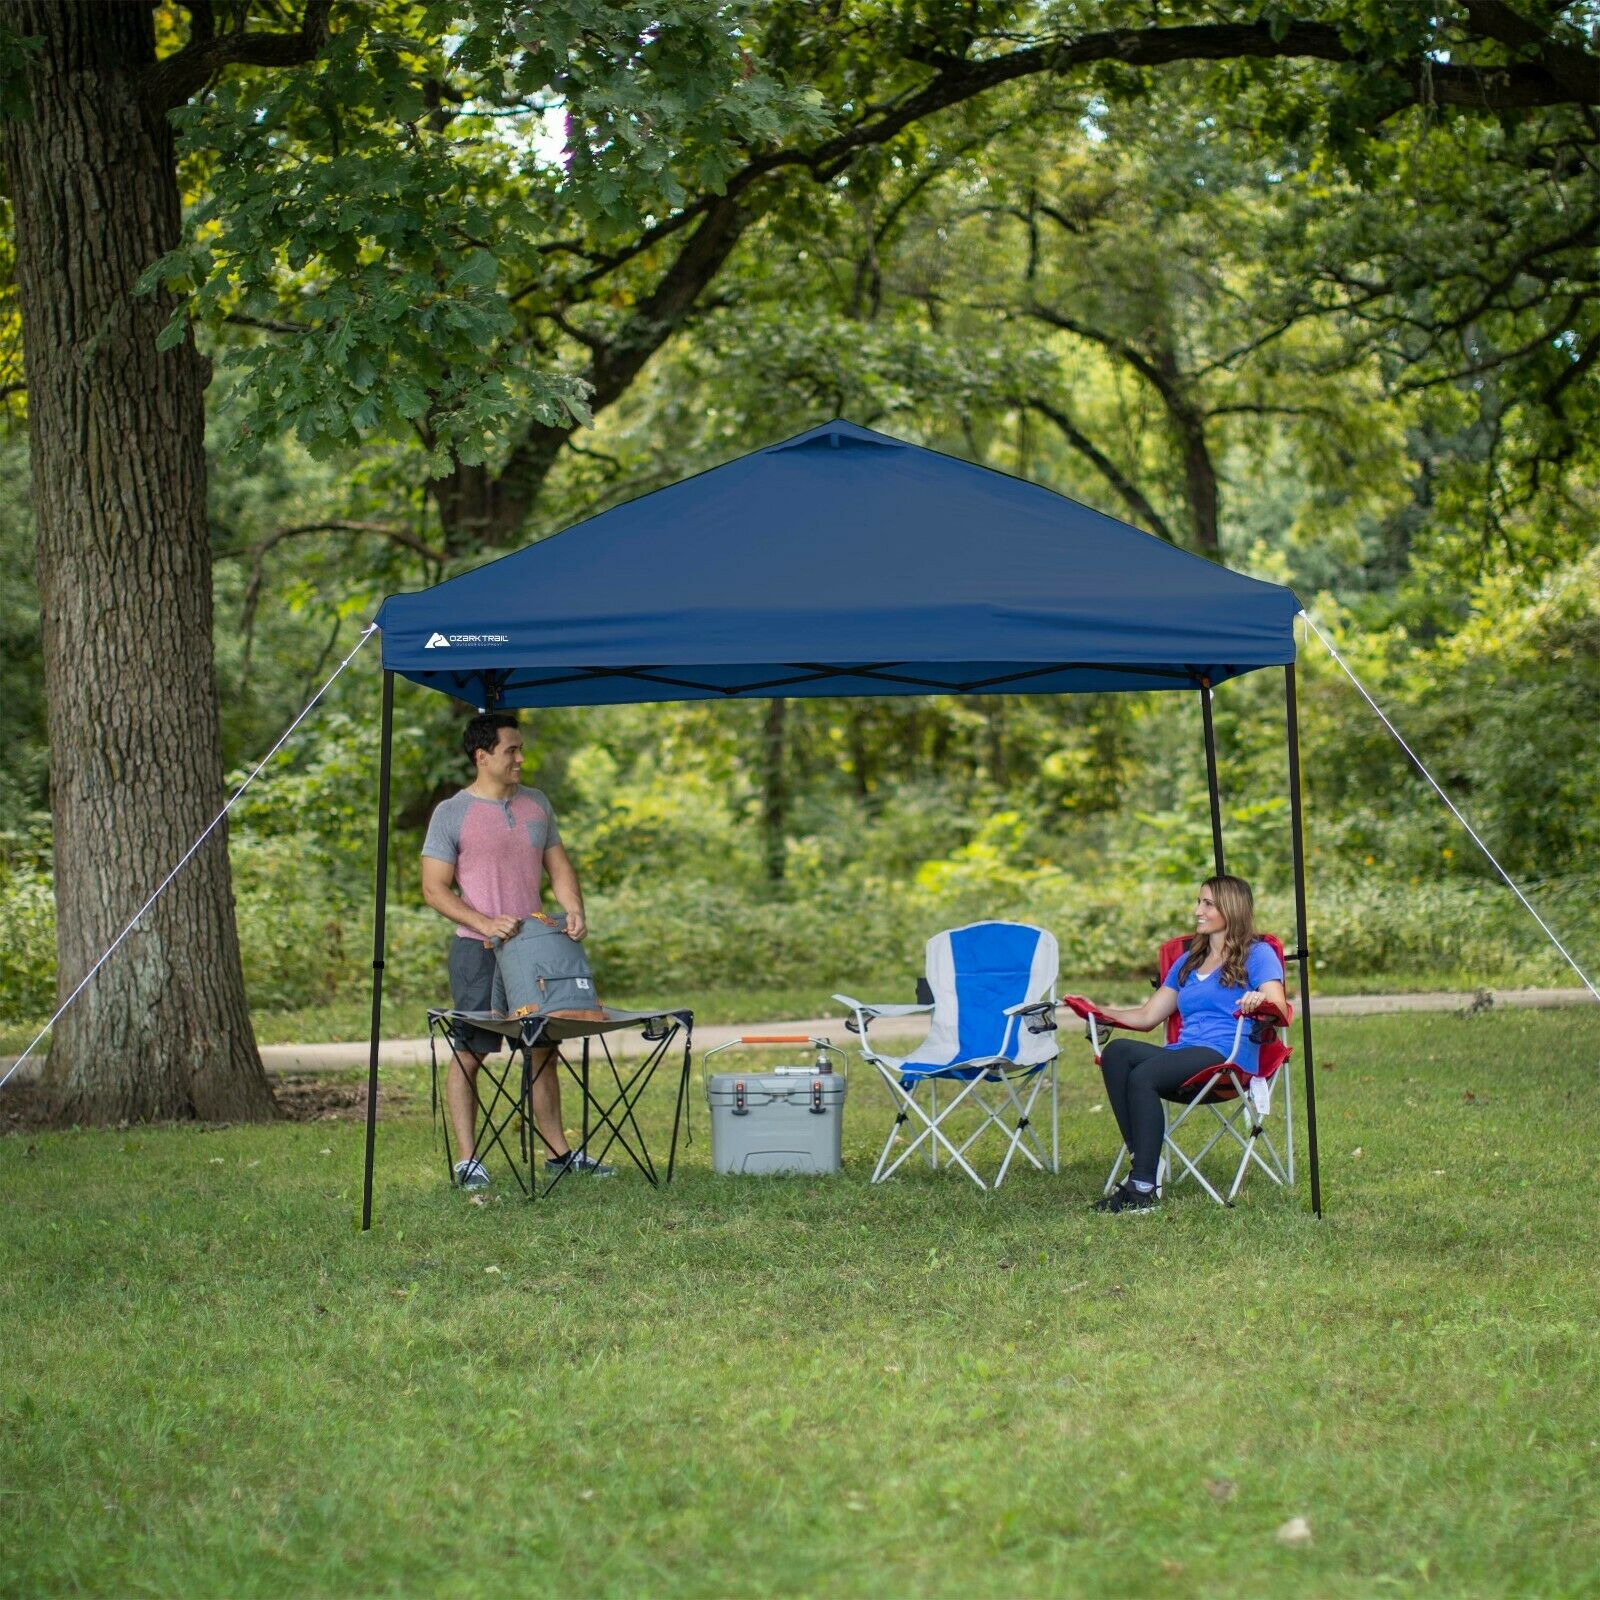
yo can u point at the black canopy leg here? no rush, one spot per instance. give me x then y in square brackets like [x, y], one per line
[381, 896]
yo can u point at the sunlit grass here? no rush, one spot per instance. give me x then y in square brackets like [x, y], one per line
[213, 1384]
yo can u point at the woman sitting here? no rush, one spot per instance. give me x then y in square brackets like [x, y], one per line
[1226, 969]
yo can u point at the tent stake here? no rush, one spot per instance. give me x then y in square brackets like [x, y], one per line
[377, 946]
[1303, 954]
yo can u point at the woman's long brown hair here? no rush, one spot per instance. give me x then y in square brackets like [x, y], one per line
[1238, 907]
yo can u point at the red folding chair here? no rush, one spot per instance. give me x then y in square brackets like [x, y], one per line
[1239, 1100]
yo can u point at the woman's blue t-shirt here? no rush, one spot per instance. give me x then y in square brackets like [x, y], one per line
[1206, 1005]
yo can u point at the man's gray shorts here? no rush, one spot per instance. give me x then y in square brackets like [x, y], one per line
[474, 986]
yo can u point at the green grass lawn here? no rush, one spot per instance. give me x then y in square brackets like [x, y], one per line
[214, 1385]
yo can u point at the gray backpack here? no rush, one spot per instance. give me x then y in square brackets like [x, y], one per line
[544, 973]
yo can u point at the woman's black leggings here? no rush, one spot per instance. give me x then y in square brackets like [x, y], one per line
[1137, 1076]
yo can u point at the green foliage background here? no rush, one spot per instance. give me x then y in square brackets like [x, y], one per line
[1264, 308]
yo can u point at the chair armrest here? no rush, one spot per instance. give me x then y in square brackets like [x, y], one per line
[866, 1014]
[1267, 1012]
[880, 1011]
[1040, 1015]
[1092, 1013]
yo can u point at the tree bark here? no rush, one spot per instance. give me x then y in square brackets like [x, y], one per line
[117, 446]
[774, 790]
[477, 510]
[1188, 421]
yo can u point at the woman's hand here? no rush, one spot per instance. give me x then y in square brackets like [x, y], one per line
[1269, 994]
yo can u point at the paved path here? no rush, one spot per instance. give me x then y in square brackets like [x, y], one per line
[288, 1058]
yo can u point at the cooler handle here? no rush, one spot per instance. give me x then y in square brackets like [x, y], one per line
[813, 1040]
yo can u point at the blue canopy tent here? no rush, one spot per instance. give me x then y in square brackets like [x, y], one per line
[842, 562]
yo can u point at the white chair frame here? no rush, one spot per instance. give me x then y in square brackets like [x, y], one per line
[1243, 1119]
[978, 1091]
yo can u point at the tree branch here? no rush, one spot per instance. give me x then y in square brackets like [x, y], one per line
[1568, 64]
[1422, 80]
[266, 324]
[1152, 373]
[502, 511]
[252, 588]
[202, 21]
[1130, 492]
[1570, 374]
[383, 530]
[592, 342]
[169, 83]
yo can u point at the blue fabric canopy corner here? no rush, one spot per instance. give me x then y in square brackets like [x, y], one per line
[838, 562]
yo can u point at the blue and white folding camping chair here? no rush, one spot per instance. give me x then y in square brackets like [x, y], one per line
[993, 990]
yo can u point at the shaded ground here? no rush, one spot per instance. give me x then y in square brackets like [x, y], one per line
[302, 1097]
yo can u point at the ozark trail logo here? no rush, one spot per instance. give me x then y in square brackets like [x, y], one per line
[442, 641]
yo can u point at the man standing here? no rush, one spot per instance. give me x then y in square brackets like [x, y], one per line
[483, 865]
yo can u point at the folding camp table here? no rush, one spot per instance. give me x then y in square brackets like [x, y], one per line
[607, 1106]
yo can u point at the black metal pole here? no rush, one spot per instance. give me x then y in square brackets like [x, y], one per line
[377, 945]
[1302, 953]
[1211, 775]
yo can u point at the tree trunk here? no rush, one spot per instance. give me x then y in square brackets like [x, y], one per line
[116, 438]
[1199, 481]
[861, 765]
[994, 723]
[774, 790]
[477, 511]
[1199, 474]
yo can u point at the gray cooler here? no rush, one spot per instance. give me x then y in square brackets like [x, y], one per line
[787, 1119]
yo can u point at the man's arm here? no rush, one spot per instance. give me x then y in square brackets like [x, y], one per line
[438, 879]
[564, 886]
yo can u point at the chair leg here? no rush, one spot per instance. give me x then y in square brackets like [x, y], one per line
[1022, 1135]
[897, 1095]
[907, 1107]
[1241, 1122]
[1190, 1170]
[1055, 1116]
[1190, 1165]
[1123, 1154]
[1273, 1168]
[1017, 1138]
[1287, 1073]
[930, 1124]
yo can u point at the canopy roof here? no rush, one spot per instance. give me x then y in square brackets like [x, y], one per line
[839, 562]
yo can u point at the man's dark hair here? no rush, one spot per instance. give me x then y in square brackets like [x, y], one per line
[482, 732]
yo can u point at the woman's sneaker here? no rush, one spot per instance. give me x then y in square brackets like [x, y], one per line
[470, 1174]
[1127, 1198]
[579, 1161]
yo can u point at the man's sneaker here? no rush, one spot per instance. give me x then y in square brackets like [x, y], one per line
[579, 1161]
[470, 1175]
[1126, 1198]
